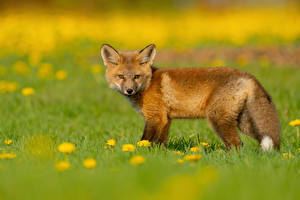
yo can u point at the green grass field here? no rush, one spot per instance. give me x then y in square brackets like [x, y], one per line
[82, 110]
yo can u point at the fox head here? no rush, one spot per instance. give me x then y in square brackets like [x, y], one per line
[128, 72]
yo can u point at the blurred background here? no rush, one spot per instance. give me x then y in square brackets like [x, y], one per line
[207, 32]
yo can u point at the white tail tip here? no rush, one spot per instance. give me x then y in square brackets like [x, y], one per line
[266, 143]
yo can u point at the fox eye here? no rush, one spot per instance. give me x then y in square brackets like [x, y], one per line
[137, 76]
[121, 76]
[142, 63]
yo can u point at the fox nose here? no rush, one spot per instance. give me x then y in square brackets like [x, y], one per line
[129, 91]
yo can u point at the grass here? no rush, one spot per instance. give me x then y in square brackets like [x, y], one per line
[84, 111]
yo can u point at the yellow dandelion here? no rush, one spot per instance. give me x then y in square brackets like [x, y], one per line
[111, 142]
[136, 160]
[128, 147]
[287, 156]
[66, 147]
[89, 163]
[11, 86]
[8, 142]
[204, 144]
[8, 87]
[295, 122]
[45, 71]
[195, 149]
[61, 75]
[3, 86]
[218, 63]
[96, 69]
[193, 157]
[21, 68]
[62, 166]
[144, 143]
[27, 91]
[180, 161]
[178, 153]
[299, 149]
[7, 155]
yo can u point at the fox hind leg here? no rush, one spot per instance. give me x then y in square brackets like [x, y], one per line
[227, 132]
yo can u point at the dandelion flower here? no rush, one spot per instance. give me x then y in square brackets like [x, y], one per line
[66, 147]
[295, 122]
[195, 149]
[193, 157]
[136, 160]
[180, 161]
[11, 86]
[62, 166]
[204, 144]
[178, 153]
[7, 155]
[61, 75]
[96, 69]
[143, 143]
[45, 71]
[128, 147]
[299, 149]
[111, 142]
[27, 91]
[89, 163]
[8, 142]
[21, 68]
[286, 156]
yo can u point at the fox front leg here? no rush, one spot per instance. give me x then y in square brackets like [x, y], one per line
[156, 132]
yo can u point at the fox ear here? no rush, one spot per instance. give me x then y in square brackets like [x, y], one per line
[109, 55]
[147, 54]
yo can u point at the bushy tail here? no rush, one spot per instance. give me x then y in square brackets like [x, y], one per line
[264, 118]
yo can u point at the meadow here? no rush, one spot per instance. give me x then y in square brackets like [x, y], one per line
[57, 111]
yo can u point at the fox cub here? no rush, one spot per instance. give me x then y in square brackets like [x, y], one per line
[226, 97]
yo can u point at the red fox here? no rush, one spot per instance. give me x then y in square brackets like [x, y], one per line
[226, 97]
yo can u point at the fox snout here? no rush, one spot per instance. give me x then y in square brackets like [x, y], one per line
[129, 89]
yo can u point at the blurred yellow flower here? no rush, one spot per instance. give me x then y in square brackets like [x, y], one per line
[218, 63]
[299, 149]
[136, 160]
[7, 155]
[204, 144]
[7, 87]
[111, 142]
[128, 147]
[61, 75]
[21, 68]
[66, 147]
[96, 69]
[62, 166]
[295, 122]
[144, 143]
[11, 86]
[195, 149]
[8, 142]
[287, 156]
[27, 91]
[45, 70]
[180, 161]
[89, 163]
[178, 153]
[193, 157]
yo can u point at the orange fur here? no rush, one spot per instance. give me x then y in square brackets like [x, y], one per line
[226, 97]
